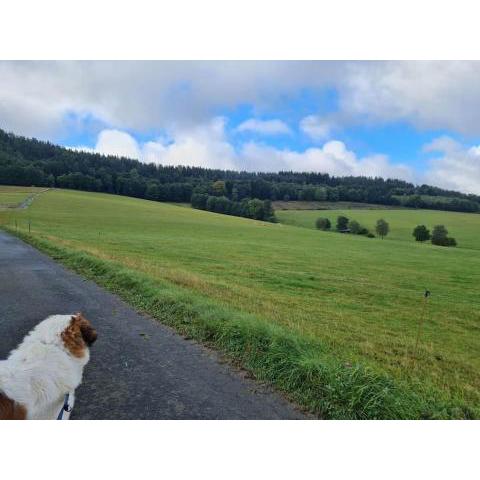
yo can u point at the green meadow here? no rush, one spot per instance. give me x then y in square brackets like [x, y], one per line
[465, 227]
[11, 197]
[330, 319]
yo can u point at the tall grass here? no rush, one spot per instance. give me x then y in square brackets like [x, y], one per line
[302, 367]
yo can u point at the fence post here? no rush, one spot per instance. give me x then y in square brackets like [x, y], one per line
[420, 323]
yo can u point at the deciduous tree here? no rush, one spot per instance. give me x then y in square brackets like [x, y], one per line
[382, 228]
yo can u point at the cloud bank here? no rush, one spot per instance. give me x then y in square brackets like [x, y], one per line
[457, 167]
[207, 146]
[35, 97]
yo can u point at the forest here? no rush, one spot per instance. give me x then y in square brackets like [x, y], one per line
[31, 162]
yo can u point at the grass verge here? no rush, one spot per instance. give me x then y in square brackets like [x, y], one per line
[301, 367]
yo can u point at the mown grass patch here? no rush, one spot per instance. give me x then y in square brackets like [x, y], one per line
[304, 368]
[12, 196]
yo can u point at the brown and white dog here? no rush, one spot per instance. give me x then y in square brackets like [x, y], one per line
[40, 376]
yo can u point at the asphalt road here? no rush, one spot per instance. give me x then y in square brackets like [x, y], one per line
[139, 369]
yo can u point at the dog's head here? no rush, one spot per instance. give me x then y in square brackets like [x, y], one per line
[78, 336]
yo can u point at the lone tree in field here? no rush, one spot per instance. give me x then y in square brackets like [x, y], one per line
[440, 237]
[382, 228]
[421, 233]
[323, 223]
[342, 223]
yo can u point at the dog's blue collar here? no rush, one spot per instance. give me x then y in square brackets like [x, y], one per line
[65, 407]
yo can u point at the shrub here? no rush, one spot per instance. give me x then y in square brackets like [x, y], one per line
[323, 223]
[421, 233]
[440, 237]
[451, 242]
[370, 235]
[342, 223]
[354, 227]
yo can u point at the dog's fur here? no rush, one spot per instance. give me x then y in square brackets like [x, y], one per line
[46, 366]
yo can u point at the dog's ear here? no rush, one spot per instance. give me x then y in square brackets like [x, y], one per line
[78, 335]
[89, 334]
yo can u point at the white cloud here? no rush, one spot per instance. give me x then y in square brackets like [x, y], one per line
[442, 144]
[264, 127]
[315, 127]
[333, 158]
[201, 146]
[426, 94]
[207, 146]
[457, 168]
[120, 144]
[35, 97]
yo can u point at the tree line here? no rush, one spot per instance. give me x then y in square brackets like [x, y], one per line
[345, 225]
[27, 162]
[439, 236]
[438, 203]
[249, 208]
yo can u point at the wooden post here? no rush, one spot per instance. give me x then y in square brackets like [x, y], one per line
[420, 323]
[29, 226]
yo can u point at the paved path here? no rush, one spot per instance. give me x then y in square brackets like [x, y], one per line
[139, 369]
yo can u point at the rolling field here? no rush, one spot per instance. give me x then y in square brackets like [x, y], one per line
[334, 317]
[11, 197]
[465, 227]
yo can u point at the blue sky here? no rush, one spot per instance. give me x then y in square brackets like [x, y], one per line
[419, 121]
[402, 141]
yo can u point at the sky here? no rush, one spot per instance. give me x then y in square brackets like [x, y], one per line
[418, 121]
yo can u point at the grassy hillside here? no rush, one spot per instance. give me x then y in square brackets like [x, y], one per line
[330, 319]
[465, 227]
[11, 197]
